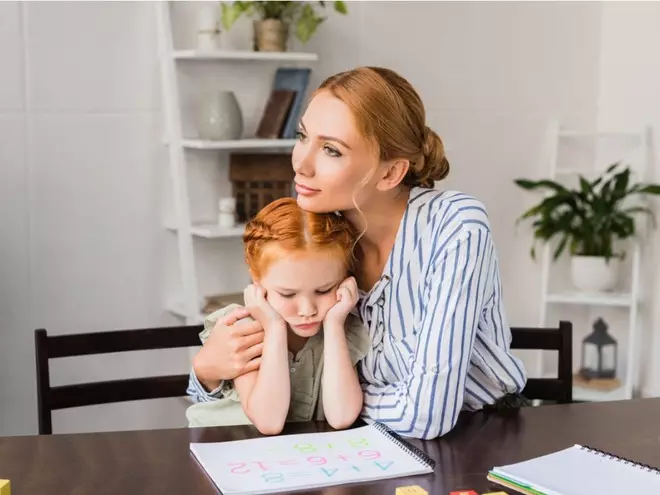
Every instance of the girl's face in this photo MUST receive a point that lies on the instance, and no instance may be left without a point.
(302, 288)
(331, 158)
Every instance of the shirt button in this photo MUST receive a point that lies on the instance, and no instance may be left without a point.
(434, 369)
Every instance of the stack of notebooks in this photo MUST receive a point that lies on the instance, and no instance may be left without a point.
(578, 470)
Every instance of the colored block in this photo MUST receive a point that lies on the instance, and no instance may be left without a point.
(464, 492)
(5, 489)
(496, 493)
(411, 490)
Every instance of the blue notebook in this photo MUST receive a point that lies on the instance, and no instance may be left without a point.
(293, 79)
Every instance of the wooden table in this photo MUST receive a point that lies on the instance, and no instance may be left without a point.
(158, 461)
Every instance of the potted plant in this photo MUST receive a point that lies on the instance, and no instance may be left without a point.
(587, 221)
(271, 29)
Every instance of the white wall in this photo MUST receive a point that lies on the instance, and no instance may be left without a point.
(628, 98)
(82, 170)
(79, 182)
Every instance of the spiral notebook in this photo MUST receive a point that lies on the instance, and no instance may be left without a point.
(310, 460)
(578, 470)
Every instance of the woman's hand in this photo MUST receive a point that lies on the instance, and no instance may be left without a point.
(347, 297)
(229, 352)
(260, 309)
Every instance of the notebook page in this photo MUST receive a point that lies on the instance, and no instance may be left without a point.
(303, 461)
(576, 471)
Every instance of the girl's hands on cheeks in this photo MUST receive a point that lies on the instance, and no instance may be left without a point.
(259, 308)
(347, 297)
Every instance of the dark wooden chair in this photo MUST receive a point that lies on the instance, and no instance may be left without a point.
(560, 389)
(105, 392)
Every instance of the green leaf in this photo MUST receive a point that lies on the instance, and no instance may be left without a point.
(307, 23)
(231, 12)
(540, 184)
(650, 189)
(340, 7)
(560, 247)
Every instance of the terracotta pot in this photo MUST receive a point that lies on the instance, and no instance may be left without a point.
(270, 35)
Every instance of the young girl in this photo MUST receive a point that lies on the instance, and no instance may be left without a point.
(301, 295)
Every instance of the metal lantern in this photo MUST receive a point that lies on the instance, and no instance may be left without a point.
(599, 353)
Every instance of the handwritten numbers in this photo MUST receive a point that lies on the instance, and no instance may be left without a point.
(316, 460)
(355, 468)
(305, 448)
(273, 477)
(358, 442)
(369, 454)
(261, 465)
(329, 472)
(343, 457)
(239, 468)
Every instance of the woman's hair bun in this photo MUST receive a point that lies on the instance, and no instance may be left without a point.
(432, 165)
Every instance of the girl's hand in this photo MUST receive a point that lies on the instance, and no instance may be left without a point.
(259, 308)
(347, 297)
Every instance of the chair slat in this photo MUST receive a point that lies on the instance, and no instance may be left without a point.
(85, 344)
(89, 394)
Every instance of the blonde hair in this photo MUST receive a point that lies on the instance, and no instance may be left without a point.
(283, 228)
(389, 112)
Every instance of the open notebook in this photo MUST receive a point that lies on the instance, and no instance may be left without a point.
(578, 470)
(310, 460)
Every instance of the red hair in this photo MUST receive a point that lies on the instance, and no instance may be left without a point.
(284, 225)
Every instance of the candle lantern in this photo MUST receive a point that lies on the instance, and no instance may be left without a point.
(599, 353)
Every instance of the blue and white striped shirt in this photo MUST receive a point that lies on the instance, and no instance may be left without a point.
(440, 337)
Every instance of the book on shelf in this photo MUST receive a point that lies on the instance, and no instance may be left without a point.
(275, 114)
(294, 79)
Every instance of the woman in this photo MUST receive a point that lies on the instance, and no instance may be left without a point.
(428, 274)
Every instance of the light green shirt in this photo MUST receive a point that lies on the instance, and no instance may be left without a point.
(305, 370)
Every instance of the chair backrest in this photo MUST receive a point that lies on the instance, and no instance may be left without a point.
(560, 339)
(87, 394)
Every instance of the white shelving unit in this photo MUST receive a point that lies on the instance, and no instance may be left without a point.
(631, 300)
(187, 305)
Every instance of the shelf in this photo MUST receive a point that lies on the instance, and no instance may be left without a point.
(590, 395)
(176, 306)
(246, 55)
(238, 144)
(617, 299)
(211, 231)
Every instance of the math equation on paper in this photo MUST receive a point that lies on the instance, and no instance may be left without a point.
(308, 460)
(314, 459)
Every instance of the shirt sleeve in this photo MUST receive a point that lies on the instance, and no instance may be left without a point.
(198, 393)
(195, 389)
(427, 403)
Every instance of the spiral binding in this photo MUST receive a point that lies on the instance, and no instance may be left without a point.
(626, 461)
(407, 447)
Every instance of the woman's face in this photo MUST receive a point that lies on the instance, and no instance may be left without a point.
(331, 159)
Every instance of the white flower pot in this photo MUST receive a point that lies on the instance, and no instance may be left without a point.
(594, 273)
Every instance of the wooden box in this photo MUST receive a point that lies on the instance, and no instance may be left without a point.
(258, 179)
